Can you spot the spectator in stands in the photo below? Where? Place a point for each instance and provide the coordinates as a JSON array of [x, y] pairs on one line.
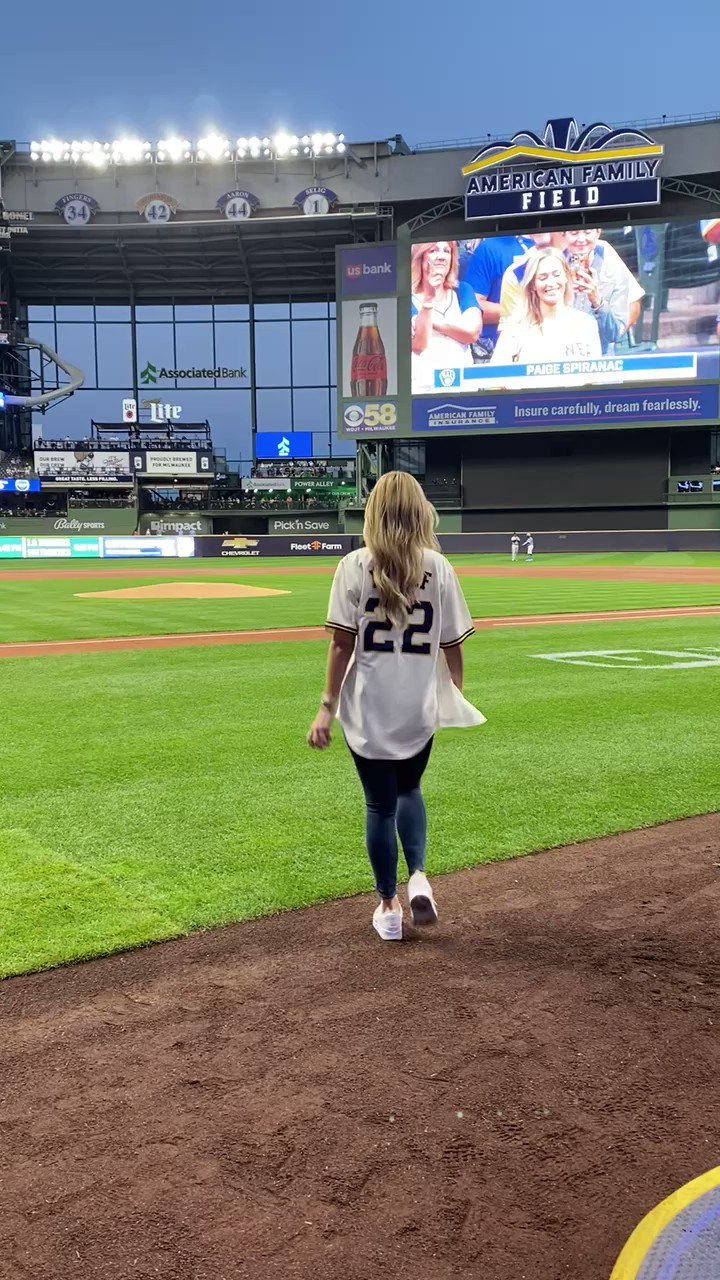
[[484, 274], [445, 317], [546, 326], [603, 285]]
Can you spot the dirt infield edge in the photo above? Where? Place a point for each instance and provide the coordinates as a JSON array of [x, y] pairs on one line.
[[209, 639]]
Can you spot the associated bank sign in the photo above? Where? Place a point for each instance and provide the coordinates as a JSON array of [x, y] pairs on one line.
[[600, 168], [151, 373]]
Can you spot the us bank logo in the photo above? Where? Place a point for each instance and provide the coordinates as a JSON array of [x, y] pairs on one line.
[[368, 269], [596, 168]]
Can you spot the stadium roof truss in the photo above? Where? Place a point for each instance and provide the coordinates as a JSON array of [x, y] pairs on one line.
[[263, 260]]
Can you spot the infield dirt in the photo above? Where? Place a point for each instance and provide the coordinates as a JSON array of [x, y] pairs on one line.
[[292, 1099], [184, 591]]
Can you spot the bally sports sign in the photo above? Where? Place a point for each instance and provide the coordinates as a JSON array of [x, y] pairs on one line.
[[598, 168]]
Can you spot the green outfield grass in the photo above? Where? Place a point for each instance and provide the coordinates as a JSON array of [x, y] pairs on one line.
[[151, 793], [48, 609]]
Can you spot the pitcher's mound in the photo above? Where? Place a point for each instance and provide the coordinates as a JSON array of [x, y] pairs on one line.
[[183, 591]]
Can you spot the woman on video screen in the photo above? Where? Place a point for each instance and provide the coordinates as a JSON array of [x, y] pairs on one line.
[[546, 326], [445, 316]]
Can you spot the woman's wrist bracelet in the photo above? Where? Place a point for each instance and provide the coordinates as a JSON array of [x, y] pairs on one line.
[[328, 704]]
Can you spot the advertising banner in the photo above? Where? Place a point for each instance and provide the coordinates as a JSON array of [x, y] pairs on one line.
[[11, 548], [367, 283], [61, 548], [632, 407], [243, 546], [131, 548], [325, 486], [55, 548], [82, 464], [78, 521], [9, 485], [251, 483], [304, 524], [180, 462], [369, 349], [595, 167], [185, 522], [367, 270], [278, 445], [120, 520]]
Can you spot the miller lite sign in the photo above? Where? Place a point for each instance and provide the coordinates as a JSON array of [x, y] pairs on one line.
[[598, 168]]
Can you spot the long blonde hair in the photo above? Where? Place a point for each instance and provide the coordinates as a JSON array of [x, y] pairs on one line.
[[399, 527], [533, 262]]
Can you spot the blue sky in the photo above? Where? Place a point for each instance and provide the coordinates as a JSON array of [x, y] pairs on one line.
[[369, 69]]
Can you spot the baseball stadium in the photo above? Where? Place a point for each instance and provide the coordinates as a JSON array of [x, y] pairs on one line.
[[216, 356]]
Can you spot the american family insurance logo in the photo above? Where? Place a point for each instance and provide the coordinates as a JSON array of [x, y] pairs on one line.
[[370, 270], [598, 168]]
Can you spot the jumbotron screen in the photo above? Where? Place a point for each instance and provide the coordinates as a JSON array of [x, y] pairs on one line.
[[566, 309]]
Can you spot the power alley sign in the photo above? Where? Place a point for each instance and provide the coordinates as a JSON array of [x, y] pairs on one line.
[[600, 168]]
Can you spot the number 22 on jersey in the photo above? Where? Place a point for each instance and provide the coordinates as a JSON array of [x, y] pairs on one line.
[[410, 643]]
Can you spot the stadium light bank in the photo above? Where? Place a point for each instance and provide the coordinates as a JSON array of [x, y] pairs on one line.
[[211, 148]]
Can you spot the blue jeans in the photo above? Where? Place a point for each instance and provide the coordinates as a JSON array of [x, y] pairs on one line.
[[394, 804]]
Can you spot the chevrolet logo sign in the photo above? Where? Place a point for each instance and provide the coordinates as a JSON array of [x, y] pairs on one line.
[[240, 544]]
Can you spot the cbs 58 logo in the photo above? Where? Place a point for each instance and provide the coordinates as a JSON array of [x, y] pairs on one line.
[[372, 414]]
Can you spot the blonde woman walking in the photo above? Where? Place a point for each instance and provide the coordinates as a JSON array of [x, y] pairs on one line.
[[398, 619]]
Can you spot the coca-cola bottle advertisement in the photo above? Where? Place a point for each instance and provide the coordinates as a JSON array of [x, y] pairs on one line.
[[370, 349]]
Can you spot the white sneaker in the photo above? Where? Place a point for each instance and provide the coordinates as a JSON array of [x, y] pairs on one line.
[[422, 902], [388, 924]]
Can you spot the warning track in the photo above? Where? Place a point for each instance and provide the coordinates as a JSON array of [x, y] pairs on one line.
[[205, 639]]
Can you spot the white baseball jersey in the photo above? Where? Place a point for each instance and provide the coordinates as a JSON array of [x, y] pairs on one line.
[[530, 544], [397, 691]]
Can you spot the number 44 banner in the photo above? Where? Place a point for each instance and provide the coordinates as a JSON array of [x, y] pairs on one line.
[[237, 206]]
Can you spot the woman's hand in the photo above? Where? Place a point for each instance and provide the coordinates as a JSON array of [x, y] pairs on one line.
[[319, 732], [586, 281], [432, 285]]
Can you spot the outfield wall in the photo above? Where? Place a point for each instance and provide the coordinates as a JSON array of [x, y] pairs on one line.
[[270, 546], [554, 542], [96, 548], [245, 547], [78, 520], [581, 540]]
